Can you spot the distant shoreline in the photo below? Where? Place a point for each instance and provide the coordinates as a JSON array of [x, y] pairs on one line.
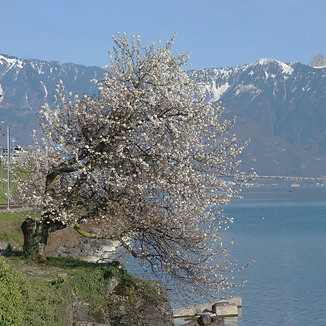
[[288, 181]]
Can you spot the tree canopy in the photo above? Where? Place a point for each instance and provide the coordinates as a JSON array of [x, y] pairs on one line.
[[150, 159]]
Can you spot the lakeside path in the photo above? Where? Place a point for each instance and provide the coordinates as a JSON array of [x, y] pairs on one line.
[[13, 209]]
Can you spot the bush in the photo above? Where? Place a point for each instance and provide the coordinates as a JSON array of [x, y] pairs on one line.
[[32, 301], [32, 294], [11, 298]]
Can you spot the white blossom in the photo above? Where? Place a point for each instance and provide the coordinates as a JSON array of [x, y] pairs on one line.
[[148, 159]]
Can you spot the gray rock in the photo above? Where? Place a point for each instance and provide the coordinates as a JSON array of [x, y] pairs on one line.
[[184, 312], [113, 284], [225, 309], [8, 246], [204, 319], [217, 321], [191, 323], [3, 245], [63, 275], [81, 311], [149, 308], [61, 252], [92, 250]]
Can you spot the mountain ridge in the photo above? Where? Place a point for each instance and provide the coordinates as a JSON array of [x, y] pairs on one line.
[[280, 106]]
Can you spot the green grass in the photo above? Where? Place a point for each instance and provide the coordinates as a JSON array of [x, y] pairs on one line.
[[10, 226], [41, 294], [13, 184], [91, 284], [10, 230], [70, 262], [3, 197], [33, 294], [32, 300], [90, 281]]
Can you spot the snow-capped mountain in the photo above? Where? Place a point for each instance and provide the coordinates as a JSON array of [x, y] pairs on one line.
[[281, 107], [26, 83]]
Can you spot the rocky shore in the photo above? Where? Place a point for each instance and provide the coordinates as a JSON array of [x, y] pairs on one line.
[[208, 313], [125, 300]]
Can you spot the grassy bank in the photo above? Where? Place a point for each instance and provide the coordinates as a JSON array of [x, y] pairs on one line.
[[10, 227], [10, 230], [33, 294], [27, 300], [57, 292], [38, 295]]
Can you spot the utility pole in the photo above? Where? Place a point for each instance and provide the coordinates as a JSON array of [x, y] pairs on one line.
[[8, 149]]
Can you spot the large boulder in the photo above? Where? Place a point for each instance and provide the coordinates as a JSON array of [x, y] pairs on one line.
[[208, 319], [150, 307], [139, 303], [209, 313], [204, 319], [223, 308]]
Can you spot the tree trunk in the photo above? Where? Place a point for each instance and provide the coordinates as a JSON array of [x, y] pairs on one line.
[[36, 233]]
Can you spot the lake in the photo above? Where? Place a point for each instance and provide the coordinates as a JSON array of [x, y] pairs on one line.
[[284, 231]]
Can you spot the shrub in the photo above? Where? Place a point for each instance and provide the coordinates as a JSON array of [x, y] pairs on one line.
[[11, 298]]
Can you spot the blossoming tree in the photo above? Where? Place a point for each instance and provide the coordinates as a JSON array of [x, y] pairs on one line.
[[147, 159]]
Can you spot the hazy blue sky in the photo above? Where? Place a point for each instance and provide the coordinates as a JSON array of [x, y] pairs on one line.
[[218, 33]]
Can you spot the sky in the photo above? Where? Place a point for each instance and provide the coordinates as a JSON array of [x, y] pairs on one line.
[[217, 33]]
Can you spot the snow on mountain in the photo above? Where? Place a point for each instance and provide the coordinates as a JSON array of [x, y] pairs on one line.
[[8, 63], [27, 83], [221, 81], [45, 90], [249, 88], [287, 68], [280, 106], [216, 91]]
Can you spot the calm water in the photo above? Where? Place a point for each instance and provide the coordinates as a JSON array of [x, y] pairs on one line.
[[284, 231]]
